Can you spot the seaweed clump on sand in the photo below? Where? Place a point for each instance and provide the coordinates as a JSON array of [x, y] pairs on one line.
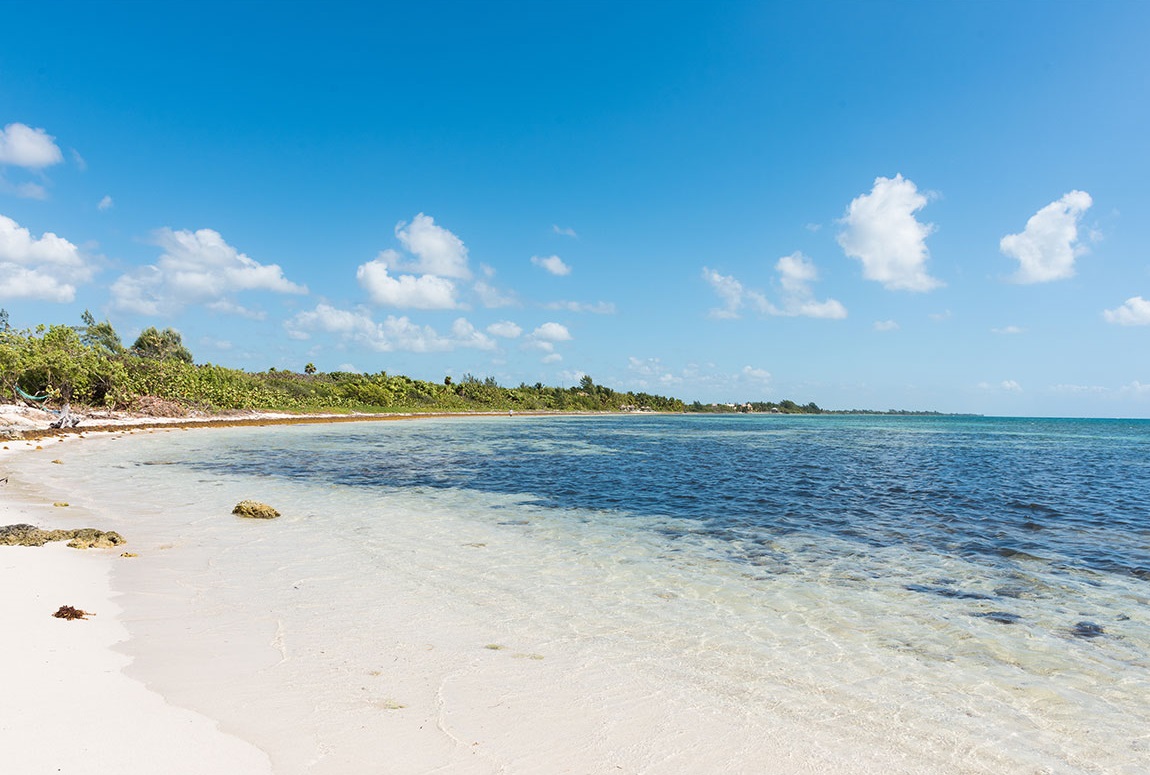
[[70, 613], [82, 538], [254, 510]]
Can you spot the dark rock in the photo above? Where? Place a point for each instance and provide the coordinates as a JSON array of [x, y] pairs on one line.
[[23, 535], [1002, 617], [947, 592], [84, 538], [90, 538], [255, 510], [1088, 630]]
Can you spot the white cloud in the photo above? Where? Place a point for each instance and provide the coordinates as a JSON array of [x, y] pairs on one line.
[[1095, 389], [1008, 385], [545, 336], [651, 370], [732, 293], [23, 146], [105, 204], [1007, 330], [25, 190], [47, 268], [426, 292], [196, 268], [885, 325], [229, 307], [393, 333], [1046, 250], [1135, 311], [492, 297], [568, 232], [464, 334], [796, 273], [756, 375], [599, 308], [552, 358], [552, 332], [882, 232], [552, 264], [438, 251], [505, 329]]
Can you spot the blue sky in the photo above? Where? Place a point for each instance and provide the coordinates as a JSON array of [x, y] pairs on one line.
[[885, 205]]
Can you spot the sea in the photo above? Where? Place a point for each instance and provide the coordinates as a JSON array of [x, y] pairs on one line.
[[640, 593]]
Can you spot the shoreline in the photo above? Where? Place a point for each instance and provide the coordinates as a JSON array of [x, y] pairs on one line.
[[18, 425], [427, 639], [68, 706]]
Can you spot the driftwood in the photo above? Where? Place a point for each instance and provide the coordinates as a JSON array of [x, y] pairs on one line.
[[66, 419]]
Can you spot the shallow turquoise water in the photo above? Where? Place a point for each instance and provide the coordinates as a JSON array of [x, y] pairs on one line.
[[965, 594]]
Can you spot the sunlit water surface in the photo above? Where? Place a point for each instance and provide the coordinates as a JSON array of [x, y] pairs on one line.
[[969, 594]]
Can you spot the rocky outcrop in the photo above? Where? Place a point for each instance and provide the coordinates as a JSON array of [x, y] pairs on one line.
[[255, 510], [83, 538]]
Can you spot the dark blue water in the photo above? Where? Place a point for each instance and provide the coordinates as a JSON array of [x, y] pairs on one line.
[[1071, 494]]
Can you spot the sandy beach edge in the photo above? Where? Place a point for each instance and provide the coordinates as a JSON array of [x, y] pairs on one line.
[[66, 705]]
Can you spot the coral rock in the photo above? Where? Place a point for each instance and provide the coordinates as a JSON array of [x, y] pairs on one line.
[[255, 510]]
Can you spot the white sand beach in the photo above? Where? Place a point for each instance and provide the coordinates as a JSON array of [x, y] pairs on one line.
[[455, 701], [421, 641], [66, 705]]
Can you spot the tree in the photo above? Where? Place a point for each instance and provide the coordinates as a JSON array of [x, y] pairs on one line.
[[161, 345], [447, 380], [4, 325], [586, 383], [100, 336], [309, 369]]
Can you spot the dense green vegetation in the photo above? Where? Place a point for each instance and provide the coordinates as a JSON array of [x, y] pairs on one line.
[[88, 365]]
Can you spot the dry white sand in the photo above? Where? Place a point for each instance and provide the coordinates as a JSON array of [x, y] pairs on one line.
[[66, 706]]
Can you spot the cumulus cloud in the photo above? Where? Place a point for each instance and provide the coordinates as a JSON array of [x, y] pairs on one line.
[[436, 249], [565, 232], [47, 268], [1011, 386], [23, 146], [1046, 250], [796, 272], [552, 264], [552, 358], [196, 268], [505, 329], [882, 232], [1135, 311], [598, 308], [394, 333], [547, 335], [552, 332], [885, 325], [426, 292], [105, 204]]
